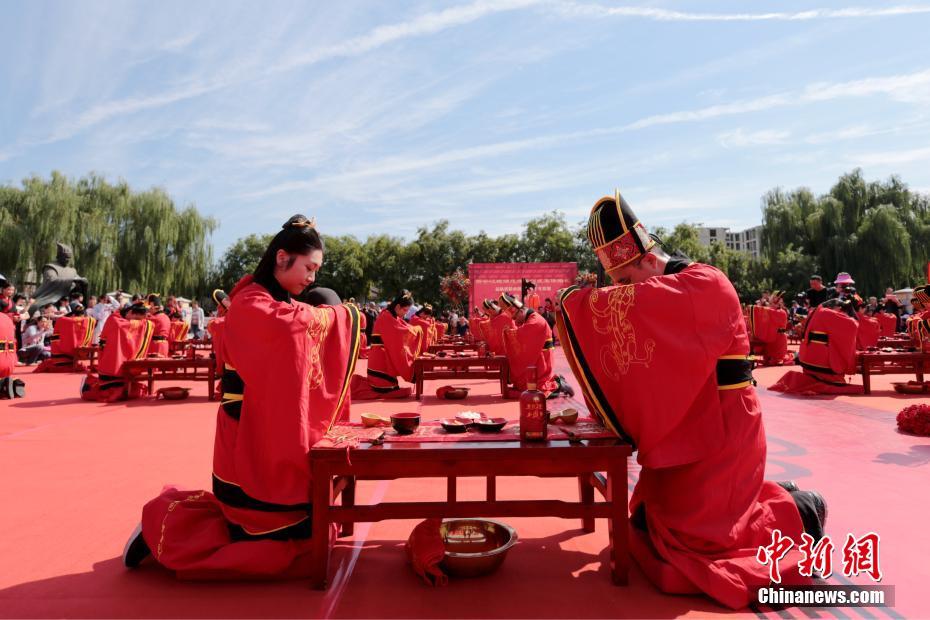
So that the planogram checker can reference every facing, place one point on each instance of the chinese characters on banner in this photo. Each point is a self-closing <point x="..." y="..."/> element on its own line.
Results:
<point x="489" y="280"/>
<point x="860" y="556"/>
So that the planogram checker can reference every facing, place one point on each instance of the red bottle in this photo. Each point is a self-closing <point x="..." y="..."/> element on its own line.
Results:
<point x="534" y="419"/>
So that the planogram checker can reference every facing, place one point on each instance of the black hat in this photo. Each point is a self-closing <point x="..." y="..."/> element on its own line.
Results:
<point x="218" y="296"/>
<point x="509" y="300"/>
<point x="490" y="304"/>
<point x="321" y="296"/>
<point x="618" y="238"/>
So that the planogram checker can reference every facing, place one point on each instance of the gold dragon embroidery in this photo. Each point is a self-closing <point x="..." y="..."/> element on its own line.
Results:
<point x="316" y="334"/>
<point x="620" y="349"/>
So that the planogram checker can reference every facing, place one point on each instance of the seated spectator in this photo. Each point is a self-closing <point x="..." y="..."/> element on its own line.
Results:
<point x="34" y="349"/>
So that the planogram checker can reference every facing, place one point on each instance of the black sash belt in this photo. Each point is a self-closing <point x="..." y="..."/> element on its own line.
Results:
<point x="733" y="372"/>
<point x="159" y="338"/>
<point x="233" y="389"/>
<point x="233" y="495"/>
<point x="549" y="345"/>
<point x="7" y="346"/>
<point x="376" y="339"/>
<point x="818" y="337"/>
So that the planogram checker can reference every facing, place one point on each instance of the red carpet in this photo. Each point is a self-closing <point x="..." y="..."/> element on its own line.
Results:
<point x="76" y="474"/>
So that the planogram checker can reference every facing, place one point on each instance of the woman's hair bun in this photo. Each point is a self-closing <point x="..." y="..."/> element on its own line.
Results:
<point x="299" y="221"/>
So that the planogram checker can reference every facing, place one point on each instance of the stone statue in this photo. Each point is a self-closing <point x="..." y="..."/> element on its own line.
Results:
<point x="59" y="280"/>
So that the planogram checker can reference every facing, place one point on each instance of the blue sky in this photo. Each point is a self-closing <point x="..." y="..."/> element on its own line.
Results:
<point x="379" y="117"/>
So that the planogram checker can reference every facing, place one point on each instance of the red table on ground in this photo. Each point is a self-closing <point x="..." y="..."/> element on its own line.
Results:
<point x="891" y="363"/>
<point x="335" y="472"/>
<point x="185" y="369"/>
<point x="456" y="368"/>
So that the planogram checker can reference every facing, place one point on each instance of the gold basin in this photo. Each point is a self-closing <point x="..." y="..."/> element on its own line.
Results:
<point x="475" y="547"/>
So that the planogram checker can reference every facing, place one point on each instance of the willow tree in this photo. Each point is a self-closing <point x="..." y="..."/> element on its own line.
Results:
<point x="137" y="241"/>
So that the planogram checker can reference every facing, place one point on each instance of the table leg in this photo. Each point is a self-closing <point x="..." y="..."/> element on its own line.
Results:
<point x="618" y="523"/>
<point x="492" y="488"/>
<point x="505" y="379"/>
<point x="348" y="500"/>
<point x="151" y="381"/>
<point x="586" y="497"/>
<point x="450" y="489"/>
<point x="419" y="383"/>
<point x="866" y="383"/>
<point x="322" y="498"/>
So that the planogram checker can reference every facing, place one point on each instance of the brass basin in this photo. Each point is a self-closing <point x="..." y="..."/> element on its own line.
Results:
<point x="475" y="547"/>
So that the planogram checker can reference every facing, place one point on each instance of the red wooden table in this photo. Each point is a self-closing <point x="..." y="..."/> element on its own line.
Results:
<point x="471" y="367"/>
<point x="86" y="353"/>
<point x="454" y="348"/>
<point x="894" y="363"/>
<point x="197" y="369"/>
<point x="897" y="342"/>
<point x="333" y="470"/>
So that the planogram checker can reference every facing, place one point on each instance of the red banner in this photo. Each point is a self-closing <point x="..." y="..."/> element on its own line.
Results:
<point x="489" y="280"/>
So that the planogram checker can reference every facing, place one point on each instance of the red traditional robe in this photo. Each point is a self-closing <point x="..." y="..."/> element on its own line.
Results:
<point x="441" y="329"/>
<point x="532" y="302"/>
<point x="648" y="357"/>
<point x="918" y="328"/>
<point x="178" y="332"/>
<point x="162" y="334"/>
<point x="768" y="332"/>
<point x="888" y="323"/>
<point x="530" y="345"/>
<point x="827" y="354"/>
<point x="428" y="325"/>
<point x="70" y="332"/>
<point x="286" y="384"/>
<point x="868" y="333"/>
<point x="394" y="346"/>
<point x="363" y="348"/>
<point x="495" y="332"/>
<point x="482" y="323"/>
<point x="7" y="346"/>
<point x="121" y="340"/>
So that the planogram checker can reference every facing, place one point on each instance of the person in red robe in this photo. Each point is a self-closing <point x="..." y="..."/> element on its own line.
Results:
<point x="827" y="353"/>
<point x="286" y="384"/>
<point x="394" y="346"/>
<point x="530" y="345"/>
<point x="918" y="324"/>
<point x="72" y="331"/>
<point x="484" y="323"/>
<point x="216" y="328"/>
<point x="531" y="298"/>
<point x="123" y="338"/>
<point x="494" y="330"/>
<point x="663" y="360"/>
<point x="888" y="323"/>
<point x="868" y="333"/>
<point x="768" y="330"/>
<point x="7" y="345"/>
<point x="423" y="318"/>
<point x="162" y="323"/>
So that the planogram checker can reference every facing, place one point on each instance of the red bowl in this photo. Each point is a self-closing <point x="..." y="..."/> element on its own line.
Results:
<point x="405" y="423"/>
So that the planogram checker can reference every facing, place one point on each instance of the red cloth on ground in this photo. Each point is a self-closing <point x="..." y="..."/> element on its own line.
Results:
<point x="7" y="346"/>
<point x="888" y="323"/>
<point x="869" y="332"/>
<point x="122" y="340"/>
<point x="529" y="345"/>
<point x="425" y="550"/>
<point x="70" y="332"/>
<point x="394" y="346"/>
<point x="646" y="357"/>
<point x="159" y="346"/>
<point x="495" y="332"/>
<point x="292" y="363"/>
<point x="826" y="355"/>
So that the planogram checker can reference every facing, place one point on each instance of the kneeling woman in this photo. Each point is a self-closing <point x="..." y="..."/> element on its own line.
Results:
<point x="286" y="382"/>
<point x="394" y="346"/>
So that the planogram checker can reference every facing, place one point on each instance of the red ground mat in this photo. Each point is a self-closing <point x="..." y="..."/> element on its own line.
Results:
<point x="76" y="474"/>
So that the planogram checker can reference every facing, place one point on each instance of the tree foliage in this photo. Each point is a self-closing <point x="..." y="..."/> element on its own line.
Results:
<point x="135" y="240"/>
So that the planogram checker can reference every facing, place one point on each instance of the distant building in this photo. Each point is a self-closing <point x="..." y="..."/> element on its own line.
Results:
<point x="749" y="240"/>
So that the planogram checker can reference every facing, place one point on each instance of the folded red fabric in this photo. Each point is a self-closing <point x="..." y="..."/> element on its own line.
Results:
<point x="425" y="550"/>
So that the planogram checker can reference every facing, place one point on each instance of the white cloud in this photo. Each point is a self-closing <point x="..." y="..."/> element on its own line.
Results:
<point x="892" y="158"/>
<point x="573" y="9"/>
<point x="739" y="138"/>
